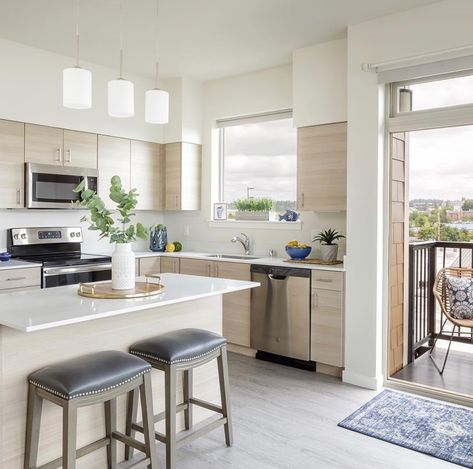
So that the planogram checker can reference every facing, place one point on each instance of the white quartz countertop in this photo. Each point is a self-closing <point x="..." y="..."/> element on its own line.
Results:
<point x="35" y="310"/>
<point x="274" y="261"/>
<point x="14" y="264"/>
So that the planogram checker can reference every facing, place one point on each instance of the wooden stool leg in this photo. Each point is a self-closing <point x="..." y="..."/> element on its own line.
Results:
<point x="131" y="418"/>
<point x="110" y="427"/>
<point x="188" y="394"/>
<point x="148" y="420"/>
<point x="225" y="394"/>
<point x="33" y="422"/>
<point x="170" y="397"/>
<point x="69" y="435"/>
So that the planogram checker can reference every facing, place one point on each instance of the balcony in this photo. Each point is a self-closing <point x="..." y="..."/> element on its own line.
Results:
<point x="425" y="320"/>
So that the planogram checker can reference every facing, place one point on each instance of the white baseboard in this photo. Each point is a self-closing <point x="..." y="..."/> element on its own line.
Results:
<point x="369" y="382"/>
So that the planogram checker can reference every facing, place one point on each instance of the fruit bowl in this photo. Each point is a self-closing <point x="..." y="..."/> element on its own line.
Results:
<point x="298" y="253"/>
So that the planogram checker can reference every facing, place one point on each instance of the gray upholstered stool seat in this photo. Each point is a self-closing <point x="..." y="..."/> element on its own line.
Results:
<point x="98" y="378"/>
<point x="182" y="351"/>
<point x="179" y="346"/>
<point x="89" y="374"/>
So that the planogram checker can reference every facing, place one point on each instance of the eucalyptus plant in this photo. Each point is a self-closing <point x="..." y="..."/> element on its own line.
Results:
<point x="328" y="237"/>
<point x="254" y="205"/>
<point x="101" y="218"/>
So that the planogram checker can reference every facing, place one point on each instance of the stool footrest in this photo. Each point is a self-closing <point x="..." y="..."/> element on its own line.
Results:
<point x="90" y="448"/>
<point x="127" y="440"/>
<point x="136" y="462"/>
<point x="206" y="405"/>
<point x="162" y="415"/>
<point x="199" y="430"/>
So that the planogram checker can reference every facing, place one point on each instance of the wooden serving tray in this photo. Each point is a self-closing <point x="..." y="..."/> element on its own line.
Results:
<point x="313" y="261"/>
<point x="104" y="290"/>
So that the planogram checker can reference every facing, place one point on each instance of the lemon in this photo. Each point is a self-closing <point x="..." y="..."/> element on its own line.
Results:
<point x="293" y="244"/>
<point x="170" y="247"/>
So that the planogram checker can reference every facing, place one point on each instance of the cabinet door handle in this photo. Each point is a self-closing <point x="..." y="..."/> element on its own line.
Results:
<point x="216" y="270"/>
<point x="177" y="201"/>
<point x="323" y="280"/>
<point x="15" y="279"/>
<point x="208" y="270"/>
<point x="18" y="196"/>
<point x="58" y="154"/>
<point x="302" y="199"/>
<point x="69" y="155"/>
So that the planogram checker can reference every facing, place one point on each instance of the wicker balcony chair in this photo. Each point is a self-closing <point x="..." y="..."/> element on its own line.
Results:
<point x="440" y="292"/>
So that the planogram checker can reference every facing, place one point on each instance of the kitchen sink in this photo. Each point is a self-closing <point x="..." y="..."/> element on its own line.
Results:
<point x="233" y="256"/>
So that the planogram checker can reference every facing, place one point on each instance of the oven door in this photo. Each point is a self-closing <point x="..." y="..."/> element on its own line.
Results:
<point x="70" y="275"/>
<point x="50" y="186"/>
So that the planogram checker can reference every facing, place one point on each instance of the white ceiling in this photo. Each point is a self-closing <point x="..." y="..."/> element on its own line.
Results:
<point x="203" y="39"/>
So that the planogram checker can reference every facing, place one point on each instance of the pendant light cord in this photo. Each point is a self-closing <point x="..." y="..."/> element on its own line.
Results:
<point x="77" y="33"/>
<point x="156" y="45"/>
<point x="121" y="39"/>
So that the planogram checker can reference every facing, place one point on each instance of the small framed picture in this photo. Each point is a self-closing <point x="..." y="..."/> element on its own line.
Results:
<point x="220" y="211"/>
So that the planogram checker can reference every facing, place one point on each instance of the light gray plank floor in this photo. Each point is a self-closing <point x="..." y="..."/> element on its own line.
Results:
<point x="287" y="418"/>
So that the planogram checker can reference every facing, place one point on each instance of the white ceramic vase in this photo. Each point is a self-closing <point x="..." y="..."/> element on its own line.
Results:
<point x="329" y="252"/>
<point x="123" y="267"/>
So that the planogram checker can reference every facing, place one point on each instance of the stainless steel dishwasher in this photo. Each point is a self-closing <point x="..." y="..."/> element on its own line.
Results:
<point x="280" y="315"/>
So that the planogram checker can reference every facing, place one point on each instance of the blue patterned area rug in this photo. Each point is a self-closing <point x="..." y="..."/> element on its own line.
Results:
<point x="431" y="427"/>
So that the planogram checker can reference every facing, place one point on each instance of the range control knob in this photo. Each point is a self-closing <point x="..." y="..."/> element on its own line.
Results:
<point x="78" y="234"/>
<point x="73" y="234"/>
<point x="15" y="236"/>
<point x="23" y="236"/>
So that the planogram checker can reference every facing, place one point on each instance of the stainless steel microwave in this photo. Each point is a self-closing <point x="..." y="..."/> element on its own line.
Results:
<point x="49" y="186"/>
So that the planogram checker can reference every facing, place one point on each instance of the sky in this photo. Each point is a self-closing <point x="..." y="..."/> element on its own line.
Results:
<point x="441" y="160"/>
<point x="262" y="156"/>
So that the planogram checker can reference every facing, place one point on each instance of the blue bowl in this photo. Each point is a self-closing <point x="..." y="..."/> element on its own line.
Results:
<point x="298" y="253"/>
<point x="5" y="256"/>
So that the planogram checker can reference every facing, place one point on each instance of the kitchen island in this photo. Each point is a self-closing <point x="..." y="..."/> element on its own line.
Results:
<point x="42" y="327"/>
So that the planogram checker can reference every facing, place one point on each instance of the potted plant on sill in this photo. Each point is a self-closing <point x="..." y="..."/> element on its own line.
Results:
<point x="328" y="247"/>
<point x="253" y="209"/>
<point x="123" y="258"/>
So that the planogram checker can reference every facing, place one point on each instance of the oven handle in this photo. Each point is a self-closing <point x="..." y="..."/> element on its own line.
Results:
<point x="50" y="271"/>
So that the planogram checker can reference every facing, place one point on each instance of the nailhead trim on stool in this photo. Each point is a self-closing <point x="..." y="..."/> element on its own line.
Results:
<point x="182" y="360"/>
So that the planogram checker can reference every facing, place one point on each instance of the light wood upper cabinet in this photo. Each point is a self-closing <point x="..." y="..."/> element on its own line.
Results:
<point x="80" y="149"/>
<point x="12" y="157"/>
<point x="183" y="163"/>
<point x="113" y="159"/>
<point x="44" y="144"/>
<point x="60" y="147"/>
<point x="322" y="167"/>
<point x="147" y="174"/>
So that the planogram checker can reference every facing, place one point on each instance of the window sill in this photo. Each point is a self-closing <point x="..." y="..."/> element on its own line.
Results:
<point x="258" y="225"/>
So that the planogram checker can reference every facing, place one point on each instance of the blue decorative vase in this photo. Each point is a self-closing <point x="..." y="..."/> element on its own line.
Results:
<point x="158" y="238"/>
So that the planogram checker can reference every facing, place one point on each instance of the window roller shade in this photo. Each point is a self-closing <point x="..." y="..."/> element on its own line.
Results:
<point x="263" y="117"/>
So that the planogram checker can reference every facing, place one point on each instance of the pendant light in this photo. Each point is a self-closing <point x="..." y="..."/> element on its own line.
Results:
<point x="77" y="81"/>
<point x="157" y="100"/>
<point x="121" y="92"/>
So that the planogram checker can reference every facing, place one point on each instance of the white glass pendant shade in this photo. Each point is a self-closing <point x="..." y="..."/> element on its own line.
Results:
<point x="77" y="88"/>
<point x="157" y="106"/>
<point x="121" y="98"/>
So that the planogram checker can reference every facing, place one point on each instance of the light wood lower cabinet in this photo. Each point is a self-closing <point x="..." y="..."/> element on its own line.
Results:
<point x="170" y="264"/>
<point x="19" y="279"/>
<point x="12" y="148"/>
<point x="150" y="265"/>
<point x="237" y="305"/>
<point x="327" y="323"/>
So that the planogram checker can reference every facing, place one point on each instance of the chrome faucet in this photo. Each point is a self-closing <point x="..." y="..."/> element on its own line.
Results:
<point x="245" y="242"/>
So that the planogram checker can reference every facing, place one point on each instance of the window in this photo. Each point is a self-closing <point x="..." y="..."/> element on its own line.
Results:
<point x="432" y="93"/>
<point x="259" y="161"/>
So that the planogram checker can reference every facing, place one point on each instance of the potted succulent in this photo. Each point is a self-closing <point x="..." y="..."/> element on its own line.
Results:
<point x="328" y="247"/>
<point x="123" y="258"/>
<point x="253" y="209"/>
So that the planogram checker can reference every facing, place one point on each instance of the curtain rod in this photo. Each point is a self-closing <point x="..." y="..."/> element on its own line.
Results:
<point x="368" y="67"/>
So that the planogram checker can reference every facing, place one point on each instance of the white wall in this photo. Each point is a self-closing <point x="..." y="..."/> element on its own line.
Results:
<point x="422" y="30"/>
<point x="31" y="91"/>
<point x="320" y="83"/>
<point x="253" y="93"/>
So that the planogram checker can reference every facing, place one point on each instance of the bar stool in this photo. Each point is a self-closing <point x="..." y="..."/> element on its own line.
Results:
<point x="83" y="381"/>
<point x="182" y="350"/>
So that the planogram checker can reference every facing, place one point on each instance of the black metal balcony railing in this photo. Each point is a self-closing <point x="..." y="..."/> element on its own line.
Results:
<point x="425" y="260"/>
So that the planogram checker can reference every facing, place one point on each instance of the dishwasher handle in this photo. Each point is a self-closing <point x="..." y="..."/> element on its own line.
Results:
<point x="277" y="277"/>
